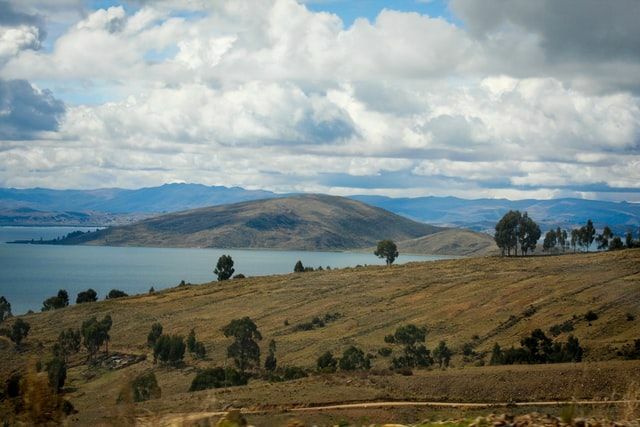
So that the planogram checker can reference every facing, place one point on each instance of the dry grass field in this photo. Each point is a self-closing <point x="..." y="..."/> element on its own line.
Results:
<point x="479" y="300"/>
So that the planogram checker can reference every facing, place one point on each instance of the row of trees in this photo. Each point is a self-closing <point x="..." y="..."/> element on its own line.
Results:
<point x="61" y="299"/>
<point x="537" y="348"/>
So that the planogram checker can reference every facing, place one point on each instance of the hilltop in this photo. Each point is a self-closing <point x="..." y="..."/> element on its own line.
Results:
<point x="303" y="222"/>
<point x="474" y="300"/>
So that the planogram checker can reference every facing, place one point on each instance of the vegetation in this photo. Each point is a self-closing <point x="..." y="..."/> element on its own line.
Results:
<point x="195" y="347"/>
<point x="270" y="362"/>
<point x="353" y="359"/>
<point x="68" y="343"/>
<point x="154" y="334"/>
<point x="116" y="293"/>
<point x="317" y="322"/>
<point x="244" y="349"/>
<point x="87" y="296"/>
<point x="217" y="378"/>
<point x="224" y="268"/>
<point x="538" y="348"/>
<point x="95" y="333"/>
<point x="5" y="309"/>
<point x="388" y="250"/>
<point x="414" y="354"/>
<point x="590" y="316"/>
<point x="326" y="362"/>
<point x="59" y="301"/>
<point x="57" y="373"/>
<point x="144" y="387"/>
<point x="442" y="355"/>
<point x="169" y="349"/>
<point x="298" y="268"/>
<point x="19" y="331"/>
<point x="516" y="230"/>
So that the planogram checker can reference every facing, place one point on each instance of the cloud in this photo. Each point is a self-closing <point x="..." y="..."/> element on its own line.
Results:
<point x="268" y="94"/>
<point x="25" y="111"/>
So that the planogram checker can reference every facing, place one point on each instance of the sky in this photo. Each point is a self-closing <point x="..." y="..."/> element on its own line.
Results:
<point x="501" y="99"/>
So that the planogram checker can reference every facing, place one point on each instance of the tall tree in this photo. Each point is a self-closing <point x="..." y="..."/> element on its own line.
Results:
<point x="506" y="235"/>
<point x="603" y="238"/>
<point x="528" y="234"/>
<point x="270" y="362"/>
<point x="575" y="239"/>
<point x="588" y="234"/>
<point x="388" y="250"/>
<point x="95" y="333"/>
<point x="550" y="241"/>
<point x="244" y="349"/>
<point x="5" y="309"/>
<point x="224" y="268"/>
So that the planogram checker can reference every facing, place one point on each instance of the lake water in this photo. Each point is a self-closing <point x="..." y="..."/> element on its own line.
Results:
<point x="31" y="273"/>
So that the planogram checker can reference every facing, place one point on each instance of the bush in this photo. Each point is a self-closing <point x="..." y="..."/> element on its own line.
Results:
<point x="154" y="334"/>
<point x="5" y="309"/>
<point x="590" y="316"/>
<point x="326" y="363"/>
<point x="144" y="387"/>
<point x="353" y="359"/>
<point x="560" y="328"/>
<point x="57" y="373"/>
<point x="115" y="293"/>
<point x="293" y="373"/>
<point x="199" y="351"/>
<point x="59" y="301"/>
<point x="19" y="331"/>
<point x="298" y="268"/>
<point x="239" y="276"/>
<point x="217" y="378"/>
<point x="87" y="296"/>
<point x="385" y="351"/>
<point x="169" y="349"/>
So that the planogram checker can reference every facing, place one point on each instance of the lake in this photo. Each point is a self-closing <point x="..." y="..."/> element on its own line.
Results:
<point x="31" y="273"/>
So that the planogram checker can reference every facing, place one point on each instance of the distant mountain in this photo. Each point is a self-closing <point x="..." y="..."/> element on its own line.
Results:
<point x="303" y="222"/>
<point x="34" y="217"/>
<point x="166" y="198"/>
<point x="482" y="214"/>
<point x="451" y="241"/>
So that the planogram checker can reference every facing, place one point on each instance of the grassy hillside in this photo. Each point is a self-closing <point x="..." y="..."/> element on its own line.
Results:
<point x="451" y="241"/>
<point x="306" y="222"/>
<point x="479" y="300"/>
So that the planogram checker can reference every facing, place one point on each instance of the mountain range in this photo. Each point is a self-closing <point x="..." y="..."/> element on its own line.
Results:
<point x="478" y="214"/>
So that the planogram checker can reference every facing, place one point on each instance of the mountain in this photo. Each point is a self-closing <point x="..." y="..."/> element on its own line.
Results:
<point x="303" y="222"/>
<point x="482" y="214"/>
<point x="451" y="241"/>
<point x="33" y="217"/>
<point x="166" y="198"/>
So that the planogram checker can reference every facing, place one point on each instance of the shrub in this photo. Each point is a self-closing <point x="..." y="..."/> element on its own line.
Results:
<point x="590" y="316"/>
<point x="217" y="378"/>
<point x="239" y="276"/>
<point x="442" y="355"/>
<point x="385" y="351"/>
<point x="152" y="290"/>
<point x="560" y="328"/>
<point x="68" y="343"/>
<point x="630" y="317"/>
<point x="293" y="373"/>
<point x="57" y="373"/>
<point x="19" y="331"/>
<point x="154" y="334"/>
<point x="199" y="351"/>
<point x="271" y="363"/>
<point x="327" y="363"/>
<point x="145" y="387"/>
<point x="115" y="293"/>
<point x="467" y="349"/>
<point x="191" y="341"/>
<point x="59" y="301"/>
<point x="298" y="268"/>
<point x="87" y="296"/>
<point x="353" y="359"/>
<point x="169" y="349"/>
<point x="5" y="309"/>
<point x="631" y="351"/>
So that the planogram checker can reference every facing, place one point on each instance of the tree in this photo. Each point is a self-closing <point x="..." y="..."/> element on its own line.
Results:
<point x="191" y="341"/>
<point x="388" y="250"/>
<point x="575" y="237"/>
<point x="326" y="362"/>
<point x="538" y="346"/>
<point x="224" y="268"/>
<point x="588" y="234"/>
<point x="87" y="296"/>
<point x="154" y="334"/>
<point x="116" y="293"/>
<point x="57" y="373"/>
<point x="271" y="363"/>
<point x="5" y="309"/>
<point x="616" y="244"/>
<point x="68" y="344"/>
<point x="298" y="268"/>
<point x="561" y="238"/>
<point x="442" y="355"/>
<point x="506" y="235"/>
<point x="550" y="241"/>
<point x="216" y="378"/>
<point x="59" y="301"/>
<point x="528" y="234"/>
<point x="603" y="239"/>
<point x="496" y="355"/>
<point x="353" y="359"/>
<point x="95" y="333"/>
<point x="628" y="240"/>
<point x="169" y="349"/>
<point x="414" y="354"/>
<point x="19" y="331"/>
<point x="244" y="349"/>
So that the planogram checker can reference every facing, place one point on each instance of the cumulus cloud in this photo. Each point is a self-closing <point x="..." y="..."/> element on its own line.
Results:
<point x="25" y="111"/>
<point x="525" y="99"/>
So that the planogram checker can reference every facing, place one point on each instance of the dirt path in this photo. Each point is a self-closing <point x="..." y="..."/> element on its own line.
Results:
<point x="180" y="419"/>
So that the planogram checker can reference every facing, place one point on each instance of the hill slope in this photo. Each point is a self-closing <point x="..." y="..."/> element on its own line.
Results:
<point x="451" y="241"/>
<point x="478" y="300"/>
<point x="305" y="222"/>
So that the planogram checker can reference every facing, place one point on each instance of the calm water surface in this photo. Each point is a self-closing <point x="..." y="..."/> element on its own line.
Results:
<point x="31" y="273"/>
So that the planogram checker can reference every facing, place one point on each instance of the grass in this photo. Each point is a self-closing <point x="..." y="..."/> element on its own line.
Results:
<point x="484" y="300"/>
